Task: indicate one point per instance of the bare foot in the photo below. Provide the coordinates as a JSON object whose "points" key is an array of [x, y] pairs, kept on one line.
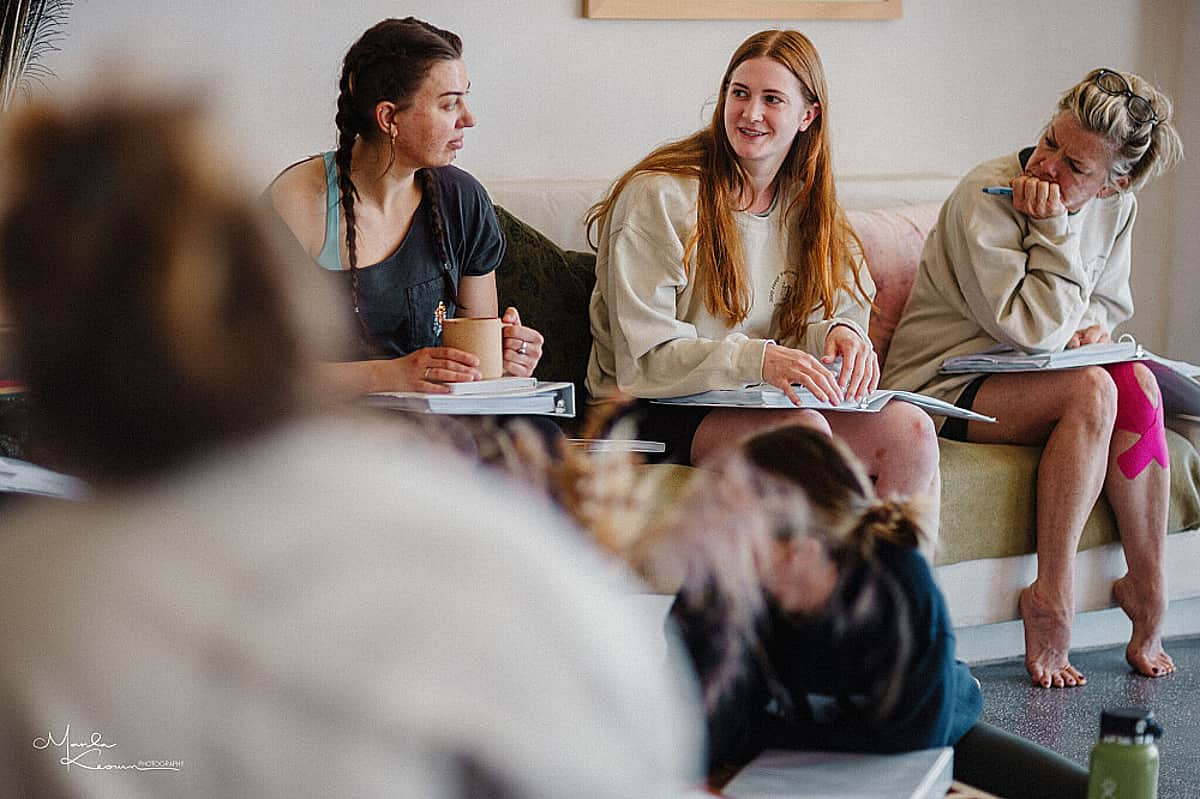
{"points": [[1145, 605], [1047, 641]]}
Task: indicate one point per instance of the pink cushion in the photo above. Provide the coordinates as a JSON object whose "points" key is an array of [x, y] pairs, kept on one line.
{"points": [[892, 240]]}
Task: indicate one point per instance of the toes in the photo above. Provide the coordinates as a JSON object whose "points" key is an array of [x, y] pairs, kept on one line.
{"points": [[1148, 667], [1150, 662], [1163, 665], [1065, 677]]}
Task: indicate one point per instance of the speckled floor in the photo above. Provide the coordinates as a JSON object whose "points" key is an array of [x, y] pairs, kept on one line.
{"points": [[1068, 720]]}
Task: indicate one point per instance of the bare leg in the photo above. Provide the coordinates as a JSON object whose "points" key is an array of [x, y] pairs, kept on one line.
{"points": [[1140, 505], [899, 448], [1071, 414], [726, 427]]}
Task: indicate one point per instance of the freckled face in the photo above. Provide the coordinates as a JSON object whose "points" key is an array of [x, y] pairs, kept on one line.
{"points": [[430, 131], [765, 110], [1076, 159]]}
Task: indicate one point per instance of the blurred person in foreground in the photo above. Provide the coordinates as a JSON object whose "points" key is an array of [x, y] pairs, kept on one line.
{"points": [[259, 602], [814, 623]]}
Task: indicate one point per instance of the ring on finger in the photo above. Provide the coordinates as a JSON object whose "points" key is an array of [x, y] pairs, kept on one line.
{"points": [[522, 348], [427, 368]]}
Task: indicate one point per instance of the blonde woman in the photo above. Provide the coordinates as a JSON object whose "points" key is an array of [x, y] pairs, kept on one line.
{"points": [[1046, 270], [725, 260]]}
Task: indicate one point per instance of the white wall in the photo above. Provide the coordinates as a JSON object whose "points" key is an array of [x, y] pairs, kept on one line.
{"points": [[559, 96], [1183, 267]]}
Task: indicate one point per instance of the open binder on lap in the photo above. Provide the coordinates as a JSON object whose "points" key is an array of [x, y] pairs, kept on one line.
{"points": [[1177, 380], [764, 395]]}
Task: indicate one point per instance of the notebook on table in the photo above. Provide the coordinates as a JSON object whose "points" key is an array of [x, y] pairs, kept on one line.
{"points": [[923, 774], [548, 399]]}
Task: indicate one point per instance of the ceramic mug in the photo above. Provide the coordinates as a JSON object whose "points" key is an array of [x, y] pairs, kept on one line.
{"points": [[480, 336]]}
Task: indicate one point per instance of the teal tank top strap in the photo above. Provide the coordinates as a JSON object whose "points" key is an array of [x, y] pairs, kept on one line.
{"points": [[330, 257]]}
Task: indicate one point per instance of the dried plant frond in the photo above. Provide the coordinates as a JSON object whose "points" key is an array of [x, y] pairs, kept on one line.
{"points": [[603, 490], [600, 488], [516, 448], [29, 30]]}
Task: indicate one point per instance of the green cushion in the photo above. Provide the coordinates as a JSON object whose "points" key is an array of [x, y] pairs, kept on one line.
{"points": [[552, 289], [988, 508]]}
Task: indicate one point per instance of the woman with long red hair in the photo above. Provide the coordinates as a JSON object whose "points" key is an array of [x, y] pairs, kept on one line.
{"points": [[725, 260]]}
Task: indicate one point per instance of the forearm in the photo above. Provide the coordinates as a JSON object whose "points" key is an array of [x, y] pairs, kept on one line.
{"points": [[343, 381], [1026, 290], [477, 296], [852, 309], [691, 365], [813, 341]]}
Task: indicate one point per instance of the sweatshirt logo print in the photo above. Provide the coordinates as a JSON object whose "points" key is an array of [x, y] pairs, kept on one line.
{"points": [[781, 289]]}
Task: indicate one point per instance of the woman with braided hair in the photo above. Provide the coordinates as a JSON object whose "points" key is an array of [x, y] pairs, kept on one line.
{"points": [[411, 239], [814, 622]]}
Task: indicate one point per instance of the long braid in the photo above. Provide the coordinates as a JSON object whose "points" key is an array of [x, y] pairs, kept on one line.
{"points": [[388, 62], [348, 193], [432, 195], [347, 134]]}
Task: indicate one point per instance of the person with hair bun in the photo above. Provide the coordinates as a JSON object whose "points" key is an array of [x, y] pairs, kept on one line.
{"points": [[410, 239], [814, 622], [1043, 271], [725, 260]]}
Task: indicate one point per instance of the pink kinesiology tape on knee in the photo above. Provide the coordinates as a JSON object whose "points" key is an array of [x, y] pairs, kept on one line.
{"points": [[1136, 414]]}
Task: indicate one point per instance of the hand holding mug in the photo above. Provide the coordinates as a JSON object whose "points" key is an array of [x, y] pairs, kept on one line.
{"points": [[522, 345]]}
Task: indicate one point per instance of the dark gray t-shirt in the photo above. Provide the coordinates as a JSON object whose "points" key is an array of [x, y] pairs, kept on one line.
{"points": [[403, 298]]}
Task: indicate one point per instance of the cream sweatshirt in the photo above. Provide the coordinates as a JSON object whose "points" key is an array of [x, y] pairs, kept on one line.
{"points": [[653, 336], [990, 275]]}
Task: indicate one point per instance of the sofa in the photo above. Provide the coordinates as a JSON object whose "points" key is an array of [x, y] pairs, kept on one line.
{"points": [[985, 552]]}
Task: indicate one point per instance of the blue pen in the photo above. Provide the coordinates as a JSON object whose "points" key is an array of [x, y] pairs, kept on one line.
{"points": [[1002, 191]]}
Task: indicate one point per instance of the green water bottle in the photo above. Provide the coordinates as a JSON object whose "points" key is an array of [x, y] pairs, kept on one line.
{"points": [[1125, 759]]}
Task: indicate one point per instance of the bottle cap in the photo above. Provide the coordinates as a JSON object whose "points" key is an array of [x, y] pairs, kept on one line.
{"points": [[1130, 722]]}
